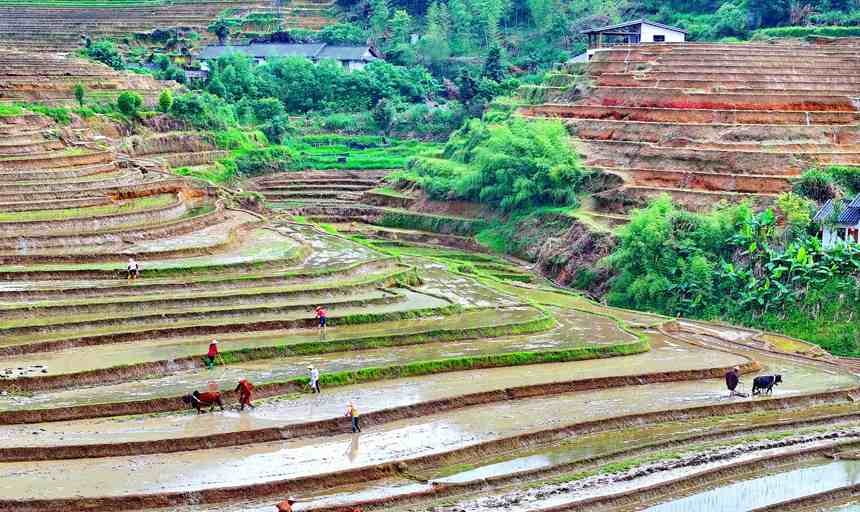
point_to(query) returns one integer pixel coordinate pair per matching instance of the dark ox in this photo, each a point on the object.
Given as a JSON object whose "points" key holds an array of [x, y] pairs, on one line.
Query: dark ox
{"points": [[765, 383]]}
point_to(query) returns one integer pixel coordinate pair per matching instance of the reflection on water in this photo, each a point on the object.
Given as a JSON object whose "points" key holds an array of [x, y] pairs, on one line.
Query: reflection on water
{"points": [[848, 507], [765, 491]]}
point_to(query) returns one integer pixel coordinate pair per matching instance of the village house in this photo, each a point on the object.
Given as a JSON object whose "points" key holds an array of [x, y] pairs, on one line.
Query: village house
{"points": [[350, 57], [840, 221], [631, 32]]}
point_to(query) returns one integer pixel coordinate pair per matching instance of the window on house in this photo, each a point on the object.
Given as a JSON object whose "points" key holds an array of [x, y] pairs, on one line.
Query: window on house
{"points": [[659, 39]]}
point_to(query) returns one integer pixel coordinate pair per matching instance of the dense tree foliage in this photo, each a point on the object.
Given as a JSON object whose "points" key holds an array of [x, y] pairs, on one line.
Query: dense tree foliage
{"points": [[105, 52], [513, 165], [129, 103], [737, 265]]}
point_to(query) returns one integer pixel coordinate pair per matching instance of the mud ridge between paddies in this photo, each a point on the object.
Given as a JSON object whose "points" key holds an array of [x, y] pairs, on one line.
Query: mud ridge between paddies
{"points": [[827, 500], [458, 487], [690, 483], [336, 425], [538, 322], [321, 481]]}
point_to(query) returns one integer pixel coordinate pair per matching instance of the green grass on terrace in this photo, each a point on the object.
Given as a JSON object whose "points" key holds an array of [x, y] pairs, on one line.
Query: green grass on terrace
{"points": [[10, 110], [134, 205], [341, 156]]}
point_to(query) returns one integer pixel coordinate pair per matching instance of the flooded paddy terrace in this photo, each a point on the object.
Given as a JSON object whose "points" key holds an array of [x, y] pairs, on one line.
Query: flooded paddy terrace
{"points": [[429, 333]]}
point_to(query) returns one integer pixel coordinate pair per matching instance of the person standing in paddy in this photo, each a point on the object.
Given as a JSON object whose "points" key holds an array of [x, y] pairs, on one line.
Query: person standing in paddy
{"points": [[322, 317], [352, 412], [212, 354], [133, 269], [315, 379], [244, 389]]}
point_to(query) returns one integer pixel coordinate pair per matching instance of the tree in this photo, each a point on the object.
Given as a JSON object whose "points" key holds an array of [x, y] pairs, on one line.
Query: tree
{"points": [[129, 103], [165, 101], [220, 28], [105, 52], [540, 11], [266, 109], [434, 45], [80, 92], [342, 33], [277, 128], [493, 64], [383, 115], [216, 87], [401, 27], [379, 13], [461, 33], [731, 20]]}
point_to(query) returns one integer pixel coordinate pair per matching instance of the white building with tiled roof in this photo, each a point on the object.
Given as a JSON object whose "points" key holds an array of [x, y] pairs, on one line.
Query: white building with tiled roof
{"points": [[840, 221]]}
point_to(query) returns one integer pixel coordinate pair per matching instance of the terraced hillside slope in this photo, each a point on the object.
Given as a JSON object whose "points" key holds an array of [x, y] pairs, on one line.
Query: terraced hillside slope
{"points": [[50, 78], [474, 378], [711, 121], [62, 27]]}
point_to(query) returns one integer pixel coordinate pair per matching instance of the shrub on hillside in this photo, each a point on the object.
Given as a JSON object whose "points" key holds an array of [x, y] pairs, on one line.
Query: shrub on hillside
{"points": [[340, 34], [165, 101], [256, 162], [204, 111], [847, 177], [512, 165], [129, 103], [105, 52], [817, 185]]}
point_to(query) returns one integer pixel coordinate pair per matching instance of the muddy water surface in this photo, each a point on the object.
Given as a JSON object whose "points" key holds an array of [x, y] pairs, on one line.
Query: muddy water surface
{"points": [[259, 246], [378, 444], [771, 489], [574, 329], [166, 349], [581, 447]]}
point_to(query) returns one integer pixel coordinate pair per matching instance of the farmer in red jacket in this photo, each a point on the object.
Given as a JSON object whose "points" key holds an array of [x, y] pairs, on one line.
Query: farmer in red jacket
{"points": [[244, 389], [322, 318], [212, 354]]}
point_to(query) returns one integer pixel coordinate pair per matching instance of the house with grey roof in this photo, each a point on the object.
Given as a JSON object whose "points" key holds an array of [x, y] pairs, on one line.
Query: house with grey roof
{"points": [[840, 221], [350, 57]]}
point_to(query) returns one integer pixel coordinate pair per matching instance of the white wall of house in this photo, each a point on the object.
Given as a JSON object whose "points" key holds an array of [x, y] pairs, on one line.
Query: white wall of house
{"points": [[669, 36], [835, 235], [353, 65]]}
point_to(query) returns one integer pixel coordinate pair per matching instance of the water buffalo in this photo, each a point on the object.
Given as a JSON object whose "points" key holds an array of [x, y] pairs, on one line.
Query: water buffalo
{"points": [[765, 383]]}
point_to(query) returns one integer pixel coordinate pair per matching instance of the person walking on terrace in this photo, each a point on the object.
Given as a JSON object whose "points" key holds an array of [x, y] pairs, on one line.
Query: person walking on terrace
{"points": [[322, 317], [133, 269], [244, 389], [352, 412], [212, 354], [315, 379]]}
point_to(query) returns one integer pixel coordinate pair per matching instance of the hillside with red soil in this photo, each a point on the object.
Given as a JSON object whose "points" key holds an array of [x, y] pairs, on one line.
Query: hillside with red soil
{"points": [[706, 122], [41, 27]]}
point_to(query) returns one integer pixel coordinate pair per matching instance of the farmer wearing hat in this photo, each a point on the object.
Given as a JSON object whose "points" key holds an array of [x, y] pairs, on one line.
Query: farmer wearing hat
{"points": [[352, 413], [286, 505], [212, 354], [315, 379]]}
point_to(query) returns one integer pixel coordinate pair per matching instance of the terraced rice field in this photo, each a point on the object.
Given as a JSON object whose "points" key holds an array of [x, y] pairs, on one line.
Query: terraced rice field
{"points": [[52, 25], [705, 122], [48, 77], [479, 385]]}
